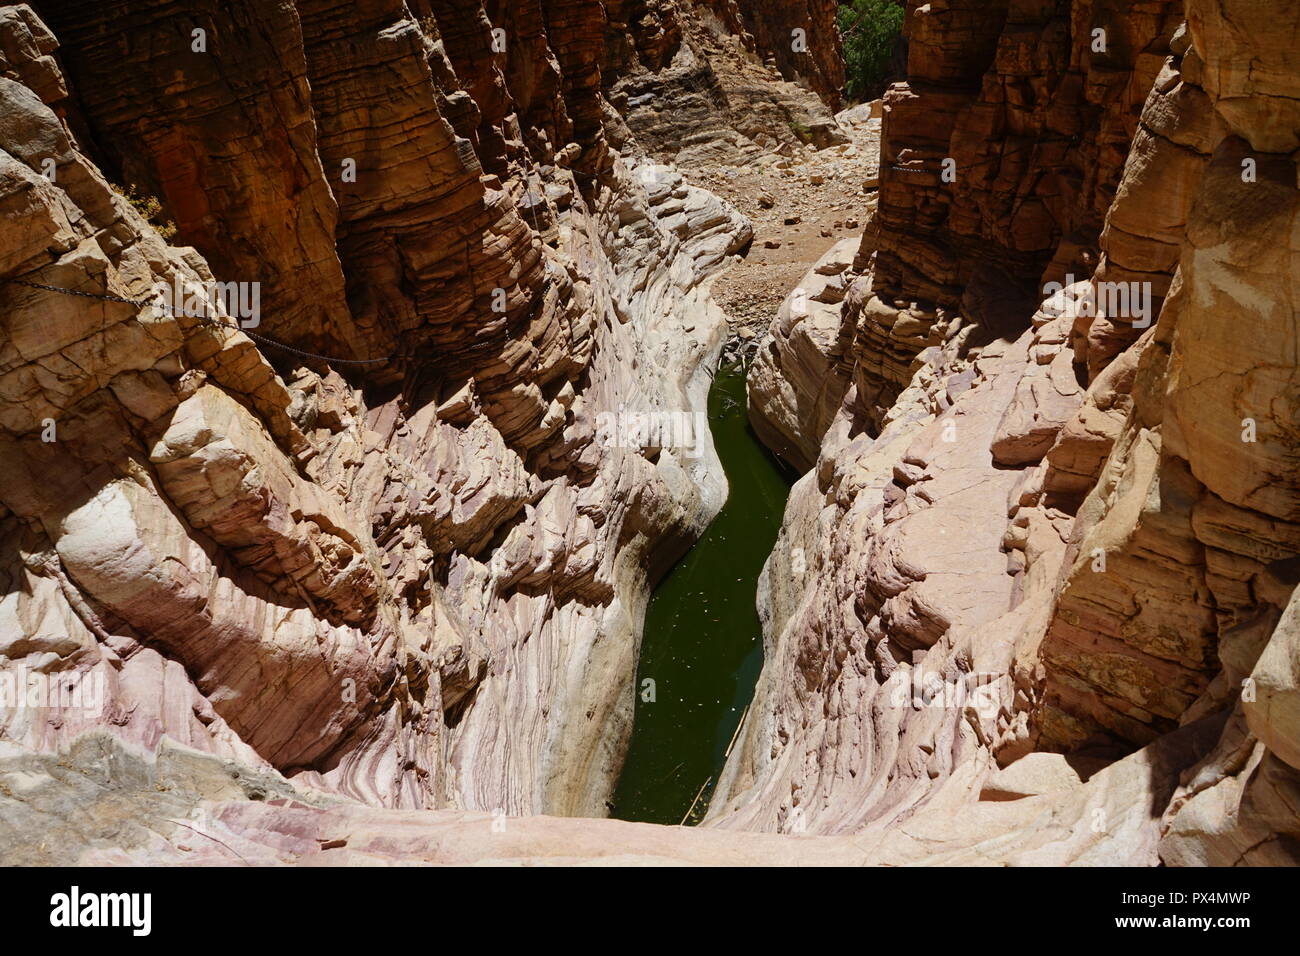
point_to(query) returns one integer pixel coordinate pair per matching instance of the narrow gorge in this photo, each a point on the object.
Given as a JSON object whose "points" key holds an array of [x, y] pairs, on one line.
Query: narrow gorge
{"points": [[582, 431]]}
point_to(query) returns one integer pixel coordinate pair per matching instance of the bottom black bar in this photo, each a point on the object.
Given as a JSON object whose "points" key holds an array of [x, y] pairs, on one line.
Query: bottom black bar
{"points": [[181, 906]]}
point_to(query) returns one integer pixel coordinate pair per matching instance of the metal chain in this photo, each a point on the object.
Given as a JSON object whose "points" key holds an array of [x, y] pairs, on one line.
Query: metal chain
{"points": [[87, 295], [992, 159], [207, 319]]}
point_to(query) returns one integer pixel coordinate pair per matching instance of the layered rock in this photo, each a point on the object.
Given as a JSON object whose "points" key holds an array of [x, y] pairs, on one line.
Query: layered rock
{"points": [[696, 86], [1000, 156], [1208, 447], [101, 803], [800, 38], [792, 398], [380, 542], [215, 121], [1033, 600], [1057, 527]]}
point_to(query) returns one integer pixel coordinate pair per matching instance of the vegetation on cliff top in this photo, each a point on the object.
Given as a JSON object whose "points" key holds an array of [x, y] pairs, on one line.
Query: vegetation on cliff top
{"points": [[870, 29]]}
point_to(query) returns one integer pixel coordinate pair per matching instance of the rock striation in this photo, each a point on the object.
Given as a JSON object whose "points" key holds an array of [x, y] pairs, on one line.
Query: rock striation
{"points": [[721, 81], [415, 582], [1046, 544], [360, 578]]}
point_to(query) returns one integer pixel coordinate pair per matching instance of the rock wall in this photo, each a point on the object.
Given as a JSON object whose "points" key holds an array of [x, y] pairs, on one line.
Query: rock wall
{"points": [[696, 86], [1033, 600], [800, 37], [1000, 156], [414, 582], [1046, 546]]}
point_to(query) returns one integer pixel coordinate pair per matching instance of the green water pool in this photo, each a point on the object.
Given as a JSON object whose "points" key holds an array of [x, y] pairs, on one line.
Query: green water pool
{"points": [[703, 645]]}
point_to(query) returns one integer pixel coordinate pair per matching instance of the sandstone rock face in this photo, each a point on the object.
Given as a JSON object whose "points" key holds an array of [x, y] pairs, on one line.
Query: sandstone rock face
{"points": [[241, 176], [1000, 157], [1209, 444], [1033, 598], [1039, 524], [793, 395], [416, 582], [703, 83], [101, 802], [801, 37]]}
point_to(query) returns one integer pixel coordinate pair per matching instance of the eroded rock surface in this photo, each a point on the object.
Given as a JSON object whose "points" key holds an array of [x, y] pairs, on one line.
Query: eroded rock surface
{"points": [[1038, 523], [1033, 600], [415, 582]]}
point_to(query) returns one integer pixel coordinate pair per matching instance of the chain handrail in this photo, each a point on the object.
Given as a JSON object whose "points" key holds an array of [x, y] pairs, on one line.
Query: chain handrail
{"points": [[207, 319]]}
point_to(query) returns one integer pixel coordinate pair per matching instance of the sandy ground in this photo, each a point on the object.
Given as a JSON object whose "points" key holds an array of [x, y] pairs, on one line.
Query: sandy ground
{"points": [[800, 205]]}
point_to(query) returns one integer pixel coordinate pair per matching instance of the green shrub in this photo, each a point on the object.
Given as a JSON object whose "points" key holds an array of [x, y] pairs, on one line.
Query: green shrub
{"points": [[870, 29], [147, 206]]}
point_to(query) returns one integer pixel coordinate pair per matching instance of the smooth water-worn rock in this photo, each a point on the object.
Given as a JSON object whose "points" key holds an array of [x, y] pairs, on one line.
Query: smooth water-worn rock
{"points": [[361, 578], [417, 581], [1040, 523]]}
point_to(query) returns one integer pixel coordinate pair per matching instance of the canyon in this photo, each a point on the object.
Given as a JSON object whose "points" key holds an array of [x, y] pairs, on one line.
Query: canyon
{"points": [[360, 574]]}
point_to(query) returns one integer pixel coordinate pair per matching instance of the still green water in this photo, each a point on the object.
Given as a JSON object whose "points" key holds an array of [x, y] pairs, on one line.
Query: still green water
{"points": [[703, 645]]}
